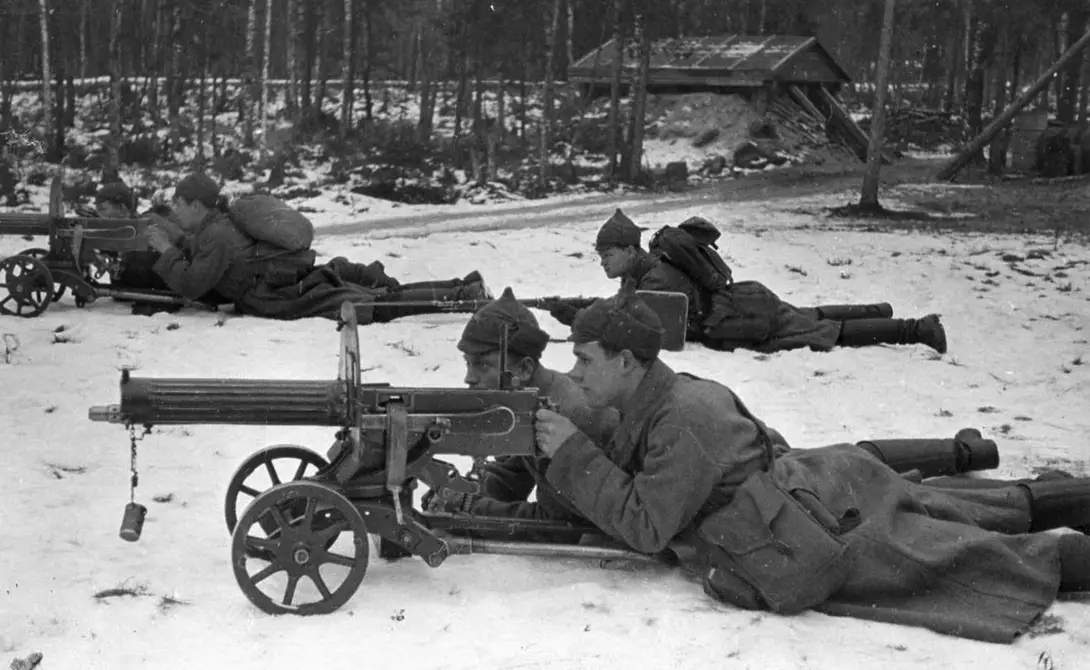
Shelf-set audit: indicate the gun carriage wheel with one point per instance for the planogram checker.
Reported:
(29, 284)
(298, 549)
(249, 477)
(41, 254)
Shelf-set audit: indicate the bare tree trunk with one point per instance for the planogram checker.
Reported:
(997, 153)
(157, 71)
(309, 20)
(84, 8)
(198, 155)
(177, 81)
(292, 66)
(571, 32)
(47, 76)
(1084, 89)
(325, 28)
(369, 58)
(247, 89)
(547, 97)
(217, 101)
(615, 88)
(113, 145)
(427, 90)
(348, 68)
(953, 48)
(1068, 103)
(868, 199)
(639, 103)
(266, 56)
(501, 104)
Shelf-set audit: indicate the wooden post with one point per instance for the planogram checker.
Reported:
(854, 131)
(978, 142)
(807, 104)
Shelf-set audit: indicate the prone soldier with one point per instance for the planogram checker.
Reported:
(763, 526)
(747, 314)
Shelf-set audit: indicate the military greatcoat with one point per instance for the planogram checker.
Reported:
(684, 470)
(263, 279)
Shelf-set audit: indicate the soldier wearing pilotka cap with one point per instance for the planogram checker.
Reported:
(763, 526)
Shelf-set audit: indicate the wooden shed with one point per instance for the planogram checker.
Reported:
(761, 67)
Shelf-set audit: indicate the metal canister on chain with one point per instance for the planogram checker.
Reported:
(132, 523)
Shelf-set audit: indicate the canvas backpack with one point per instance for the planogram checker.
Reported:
(733, 313)
(272, 220)
(697, 259)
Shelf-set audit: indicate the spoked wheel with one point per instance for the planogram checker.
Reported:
(326, 544)
(29, 285)
(38, 253)
(265, 469)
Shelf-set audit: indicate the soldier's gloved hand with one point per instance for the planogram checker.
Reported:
(449, 501)
(564, 312)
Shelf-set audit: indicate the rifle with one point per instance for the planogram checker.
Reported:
(469, 306)
(671, 307)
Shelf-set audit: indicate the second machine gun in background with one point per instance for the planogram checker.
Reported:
(80, 252)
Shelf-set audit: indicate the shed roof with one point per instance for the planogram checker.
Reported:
(723, 59)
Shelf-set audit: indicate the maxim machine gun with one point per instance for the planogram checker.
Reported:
(81, 251)
(316, 526)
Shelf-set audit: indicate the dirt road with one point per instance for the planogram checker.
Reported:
(763, 187)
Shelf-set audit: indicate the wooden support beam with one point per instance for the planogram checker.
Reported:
(962, 159)
(854, 131)
(806, 103)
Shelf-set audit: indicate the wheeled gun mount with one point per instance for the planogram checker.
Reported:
(387, 438)
(81, 250)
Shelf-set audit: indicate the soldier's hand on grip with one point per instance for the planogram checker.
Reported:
(552, 430)
(564, 312)
(449, 501)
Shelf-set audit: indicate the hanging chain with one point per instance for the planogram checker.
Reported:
(135, 478)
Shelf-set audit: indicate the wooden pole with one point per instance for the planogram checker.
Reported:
(868, 198)
(978, 142)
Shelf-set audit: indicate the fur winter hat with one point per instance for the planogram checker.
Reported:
(484, 332)
(623, 321)
(618, 231)
(200, 187)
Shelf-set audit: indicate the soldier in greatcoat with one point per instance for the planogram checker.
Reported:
(506, 483)
(690, 470)
(749, 315)
(265, 280)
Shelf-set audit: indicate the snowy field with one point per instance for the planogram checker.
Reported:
(1016, 313)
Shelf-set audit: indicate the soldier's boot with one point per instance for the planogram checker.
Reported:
(967, 452)
(1059, 503)
(471, 278)
(866, 332)
(882, 310)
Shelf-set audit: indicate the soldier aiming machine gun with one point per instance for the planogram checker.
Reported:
(388, 439)
(82, 250)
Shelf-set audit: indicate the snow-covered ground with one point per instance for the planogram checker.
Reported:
(1018, 343)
